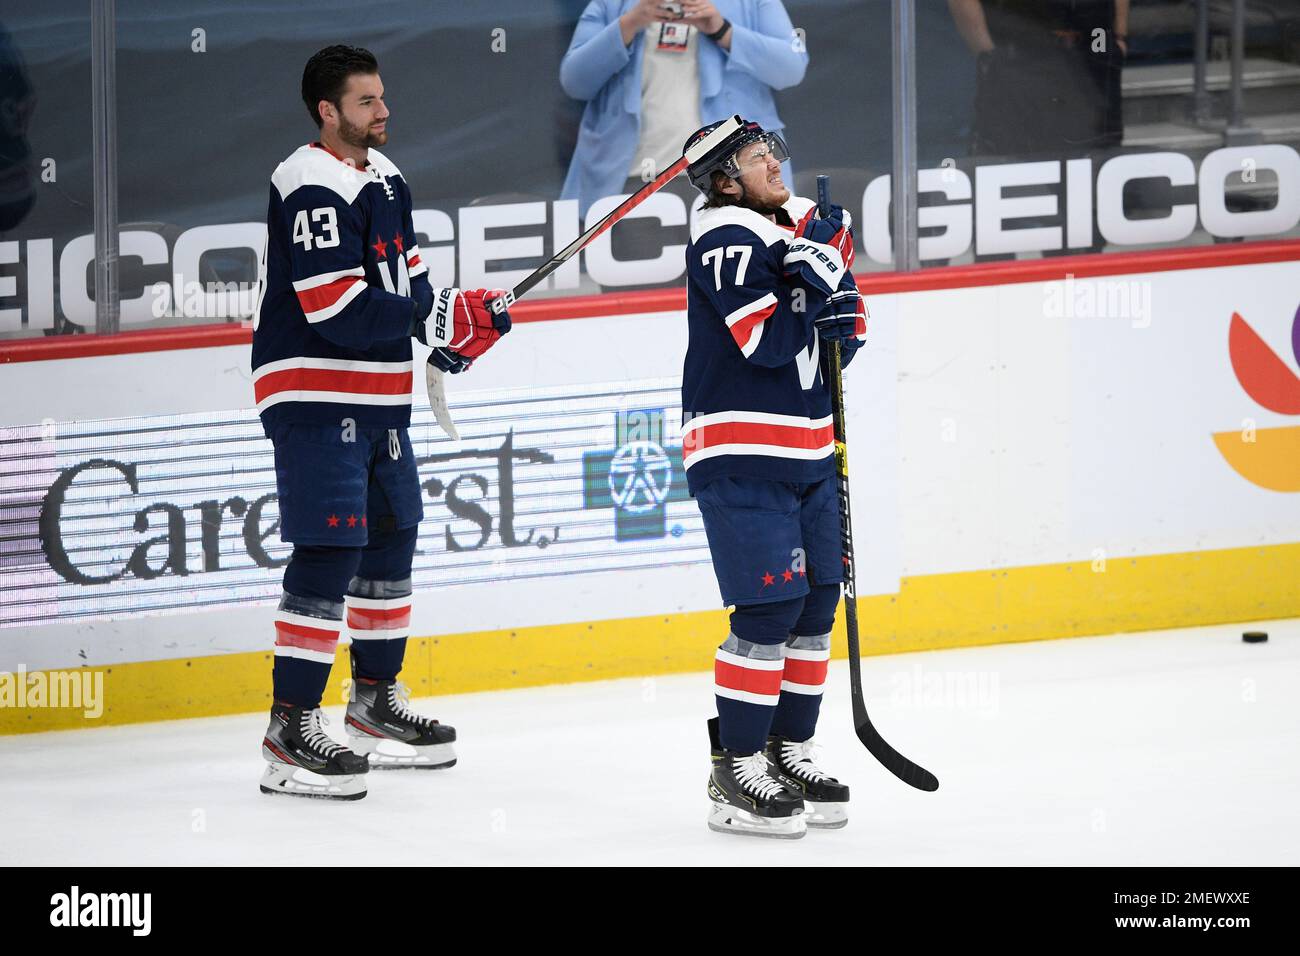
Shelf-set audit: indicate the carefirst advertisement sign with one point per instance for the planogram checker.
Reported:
(1011, 208)
(128, 516)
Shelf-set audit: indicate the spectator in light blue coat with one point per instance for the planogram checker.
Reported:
(652, 72)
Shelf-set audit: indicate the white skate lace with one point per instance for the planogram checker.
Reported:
(313, 733)
(399, 696)
(798, 757)
(752, 772)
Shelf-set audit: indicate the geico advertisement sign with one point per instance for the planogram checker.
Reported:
(985, 210)
(980, 208)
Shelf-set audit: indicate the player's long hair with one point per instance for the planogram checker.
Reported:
(716, 198)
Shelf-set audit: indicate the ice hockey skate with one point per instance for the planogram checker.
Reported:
(747, 799)
(826, 800)
(302, 760)
(382, 726)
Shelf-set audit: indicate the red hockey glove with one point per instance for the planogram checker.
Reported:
(461, 326)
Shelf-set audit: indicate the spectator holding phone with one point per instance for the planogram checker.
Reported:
(653, 71)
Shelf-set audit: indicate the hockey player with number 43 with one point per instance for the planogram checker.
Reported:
(769, 283)
(344, 294)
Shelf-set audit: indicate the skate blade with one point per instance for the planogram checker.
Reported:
(300, 782)
(726, 819)
(826, 816)
(387, 754)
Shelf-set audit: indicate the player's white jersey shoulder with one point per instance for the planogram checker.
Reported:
(764, 229)
(382, 164)
(311, 165)
(798, 207)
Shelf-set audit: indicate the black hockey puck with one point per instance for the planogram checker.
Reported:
(1255, 637)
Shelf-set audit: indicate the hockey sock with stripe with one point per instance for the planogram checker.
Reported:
(309, 620)
(306, 635)
(807, 654)
(379, 621)
(747, 685)
(379, 604)
(804, 677)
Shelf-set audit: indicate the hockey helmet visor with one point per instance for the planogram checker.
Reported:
(727, 158)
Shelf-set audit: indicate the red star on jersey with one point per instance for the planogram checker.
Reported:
(768, 579)
(332, 521)
(397, 241)
(788, 576)
(352, 521)
(803, 573)
(381, 248)
(363, 521)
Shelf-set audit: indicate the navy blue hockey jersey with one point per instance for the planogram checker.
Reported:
(755, 398)
(331, 338)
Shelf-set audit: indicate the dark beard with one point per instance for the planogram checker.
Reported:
(359, 136)
(763, 209)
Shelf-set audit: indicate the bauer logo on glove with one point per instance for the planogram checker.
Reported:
(821, 250)
(461, 327)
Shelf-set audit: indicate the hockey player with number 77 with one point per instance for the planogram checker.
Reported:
(344, 293)
(768, 282)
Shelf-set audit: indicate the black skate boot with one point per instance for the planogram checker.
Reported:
(303, 761)
(827, 799)
(748, 799)
(381, 725)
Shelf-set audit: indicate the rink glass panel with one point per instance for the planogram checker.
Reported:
(1094, 149)
(208, 104)
(1012, 146)
(46, 184)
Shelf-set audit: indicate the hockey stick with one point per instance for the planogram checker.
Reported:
(697, 151)
(433, 374)
(891, 759)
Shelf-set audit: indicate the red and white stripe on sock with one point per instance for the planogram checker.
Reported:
(747, 679)
(306, 638)
(379, 619)
(747, 682)
(802, 683)
(805, 666)
(379, 628)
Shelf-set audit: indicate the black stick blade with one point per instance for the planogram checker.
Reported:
(902, 768)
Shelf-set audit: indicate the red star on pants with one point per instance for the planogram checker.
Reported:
(767, 579)
(788, 576)
(352, 521)
(333, 521)
(381, 248)
(397, 241)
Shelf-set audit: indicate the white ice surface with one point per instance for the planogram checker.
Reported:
(1176, 747)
